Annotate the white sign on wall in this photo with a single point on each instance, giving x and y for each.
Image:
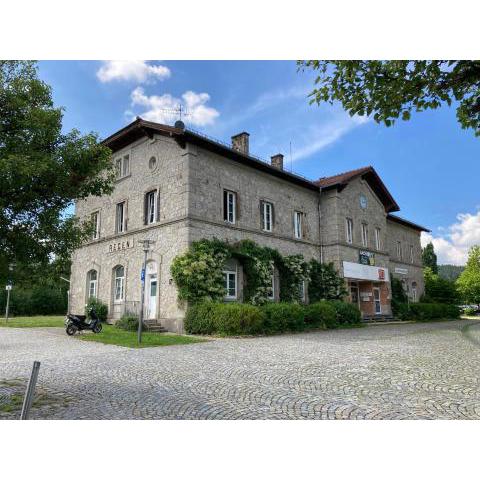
(365, 272)
(401, 271)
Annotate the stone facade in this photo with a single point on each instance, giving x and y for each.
(190, 175)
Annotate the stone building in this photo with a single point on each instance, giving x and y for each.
(175, 186)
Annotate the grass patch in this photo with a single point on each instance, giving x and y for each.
(31, 322)
(114, 336)
(12, 404)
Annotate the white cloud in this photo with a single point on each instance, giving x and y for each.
(321, 136)
(132, 70)
(452, 247)
(162, 108)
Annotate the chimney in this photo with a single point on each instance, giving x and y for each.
(277, 161)
(240, 142)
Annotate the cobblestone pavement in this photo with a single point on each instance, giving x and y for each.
(412, 371)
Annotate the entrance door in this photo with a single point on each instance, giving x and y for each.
(354, 295)
(376, 300)
(151, 299)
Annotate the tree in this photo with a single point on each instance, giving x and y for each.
(450, 272)
(437, 289)
(42, 171)
(325, 283)
(393, 89)
(429, 258)
(468, 283)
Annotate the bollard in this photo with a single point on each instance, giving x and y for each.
(28, 400)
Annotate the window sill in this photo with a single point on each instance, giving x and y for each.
(118, 180)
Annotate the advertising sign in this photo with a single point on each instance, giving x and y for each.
(366, 258)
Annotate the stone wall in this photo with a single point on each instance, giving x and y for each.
(404, 268)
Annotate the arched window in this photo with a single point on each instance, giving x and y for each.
(414, 291)
(92, 284)
(119, 283)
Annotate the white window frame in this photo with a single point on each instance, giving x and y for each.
(271, 295)
(227, 274)
(349, 230)
(120, 223)
(298, 224)
(399, 250)
(231, 206)
(152, 206)
(364, 234)
(267, 216)
(119, 285)
(378, 243)
(122, 166)
(95, 218)
(303, 291)
(92, 283)
(411, 253)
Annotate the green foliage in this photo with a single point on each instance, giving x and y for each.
(468, 283)
(450, 272)
(437, 289)
(199, 278)
(198, 272)
(325, 282)
(321, 314)
(127, 322)
(43, 171)
(199, 318)
(429, 258)
(100, 308)
(224, 319)
(399, 297)
(39, 300)
(283, 317)
(469, 311)
(258, 263)
(293, 271)
(346, 313)
(392, 89)
(425, 312)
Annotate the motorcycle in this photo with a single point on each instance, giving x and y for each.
(75, 323)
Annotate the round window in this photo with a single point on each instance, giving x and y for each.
(152, 163)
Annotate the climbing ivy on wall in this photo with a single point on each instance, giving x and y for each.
(198, 272)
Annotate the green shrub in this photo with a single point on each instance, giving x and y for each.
(128, 322)
(100, 308)
(469, 311)
(425, 312)
(38, 300)
(224, 319)
(346, 313)
(282, 317)
(199, 318)
(238, 319)
(320, 314)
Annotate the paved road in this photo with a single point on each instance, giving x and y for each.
(412, 371)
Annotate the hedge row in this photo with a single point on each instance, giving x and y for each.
(244, 319)
(35, 301)
(426, 312)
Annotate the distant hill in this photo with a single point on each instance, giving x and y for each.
(450, 272)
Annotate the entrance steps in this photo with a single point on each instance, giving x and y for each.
(379, 319)
(154, 326)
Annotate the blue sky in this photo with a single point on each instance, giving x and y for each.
(430, 165)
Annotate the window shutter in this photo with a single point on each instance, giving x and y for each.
(304, 225)
(145, 209)
(272, 215)
(262, 214)
(225, 205)
(158, 205)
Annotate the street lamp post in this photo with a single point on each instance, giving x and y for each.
(146, 249)
(11, 266)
